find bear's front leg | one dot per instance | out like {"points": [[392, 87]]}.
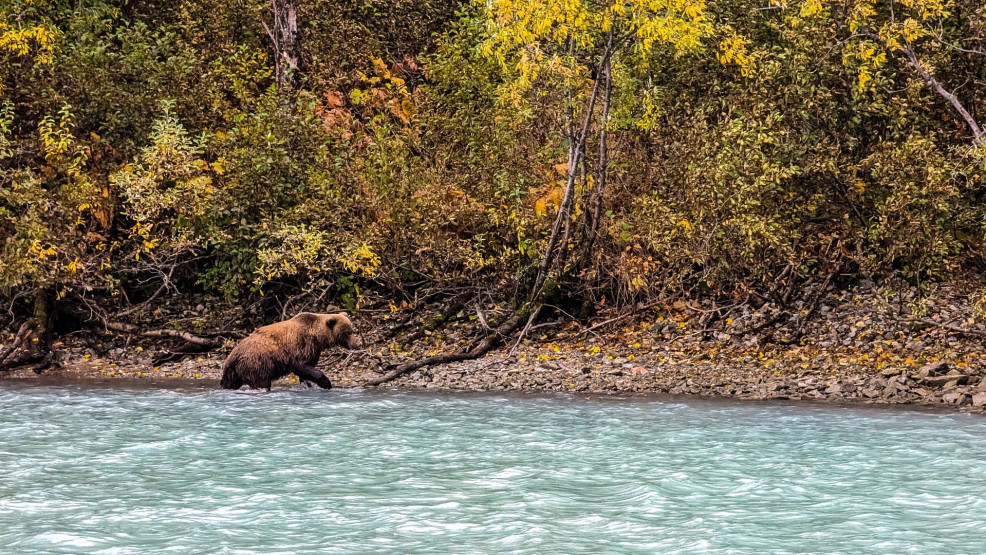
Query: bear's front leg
{"points": [[312, 374]]}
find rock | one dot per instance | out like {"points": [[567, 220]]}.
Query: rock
{"points": [[938, 381], [979, 399], [934, 368], [888, 372], [956, 399], [834, 388]]}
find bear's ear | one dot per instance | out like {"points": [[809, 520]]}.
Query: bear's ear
{"points": [[331, 322]]}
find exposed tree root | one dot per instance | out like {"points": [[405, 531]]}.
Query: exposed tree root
{"points": [[15, 354], [22, 333]]}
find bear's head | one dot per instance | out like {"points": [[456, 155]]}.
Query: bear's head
{"points": [[337, 331]]}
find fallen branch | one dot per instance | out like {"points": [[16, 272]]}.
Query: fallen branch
{"points": [[479, 349], [171, 334]]}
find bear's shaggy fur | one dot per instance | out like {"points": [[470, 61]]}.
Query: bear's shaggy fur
{"points": [[291, 346]]}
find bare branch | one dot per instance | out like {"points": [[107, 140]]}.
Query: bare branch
{"points": [[977, 132]]}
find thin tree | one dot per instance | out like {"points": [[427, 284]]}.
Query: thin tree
{"points": [[531, 39], [287, 43]]}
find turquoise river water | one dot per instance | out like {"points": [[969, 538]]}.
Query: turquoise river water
{"points": [[90, 469]]}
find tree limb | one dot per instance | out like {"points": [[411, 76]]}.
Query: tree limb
{"points": [[977, 132]]}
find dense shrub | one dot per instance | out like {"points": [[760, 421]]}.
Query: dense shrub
{"points": [[146, 144]]}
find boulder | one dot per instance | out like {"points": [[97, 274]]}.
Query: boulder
{"points": [[956, 398], [934, 368]]}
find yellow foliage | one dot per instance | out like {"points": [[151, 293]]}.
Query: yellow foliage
{"points": [[42, 252], [523, 33], [17, 41], [361, 261], [732, 50]]}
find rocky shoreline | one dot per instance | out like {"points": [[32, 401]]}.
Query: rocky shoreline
{"points": [[954, 385], [858, 348]]}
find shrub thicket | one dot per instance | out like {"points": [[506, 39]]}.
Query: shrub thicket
{"points": [[144, 148]]}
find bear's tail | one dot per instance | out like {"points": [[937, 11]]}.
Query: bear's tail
{"points": [[230, 379]]}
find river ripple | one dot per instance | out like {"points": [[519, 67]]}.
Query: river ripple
{"points": [[97, 470]]}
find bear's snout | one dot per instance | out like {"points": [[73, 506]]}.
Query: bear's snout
{"points": [[354, 343]]}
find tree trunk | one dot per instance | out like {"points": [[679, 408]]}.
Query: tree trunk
{"points": [[44, 317], [594, 203], [287, 43], [576, 151], [595, 215], [530, 309]]}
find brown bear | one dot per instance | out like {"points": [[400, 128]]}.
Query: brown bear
{"points": [[291, 346]]}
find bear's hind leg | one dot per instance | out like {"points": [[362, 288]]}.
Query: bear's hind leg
{"points": [[312, 374], [261, 385]]}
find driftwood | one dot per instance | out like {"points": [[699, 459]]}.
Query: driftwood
{"points": [[477, 350]]}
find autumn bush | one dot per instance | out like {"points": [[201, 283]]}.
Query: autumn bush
{"points": [[146, 150]]}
